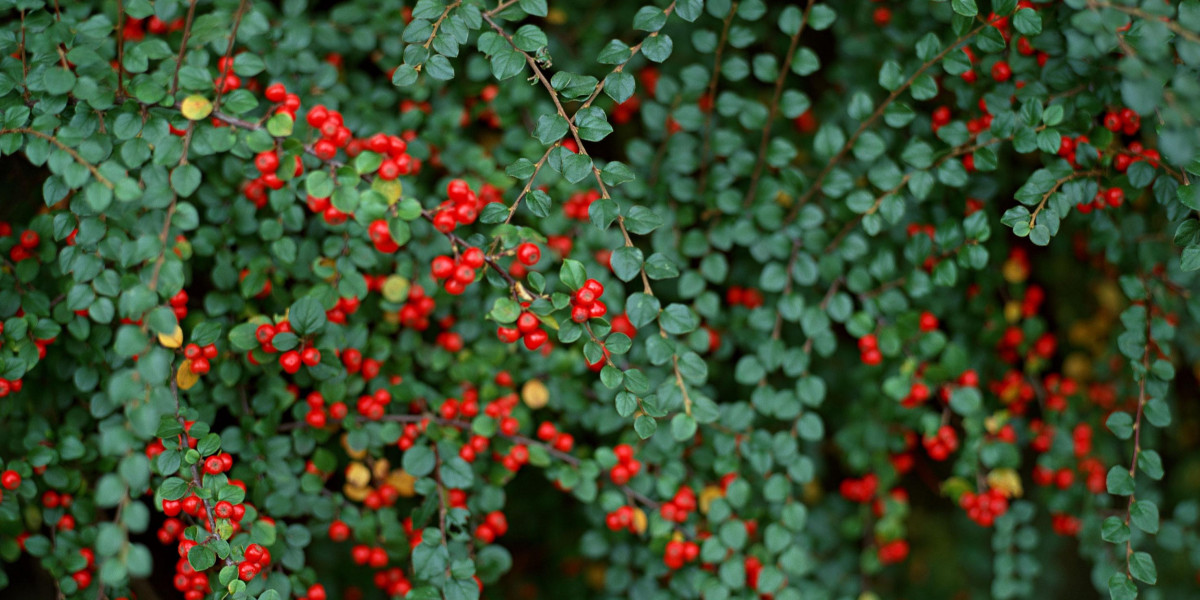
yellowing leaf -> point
(390, 189)
(355, 493)
(639, 520)
(184, 377)
(357, 474)
(403, 482)
(395, 288)
(707, 495)
(174, 340)
(380, 468)
(195, 107)
(1007, 481)
(534, 394)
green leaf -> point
(1119, 481)
(530, 38)
(307, 316)
(1144, 515)
(645, 426)
(1141, 566)
(185, 179)
(965, 8)
(626, 262)
(419, 460)
(201, 557)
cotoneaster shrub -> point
(723, 299)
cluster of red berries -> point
(493, 526)
(192, 584)
(461, 207)
(178, 304)
(267, 163)
(135, 30)
(27, 244)
(579, 203)
(861, 490)
(918, 393)
(318, 416)
(227, 81)
(1111, 197)
(417, 308)
(621, 519)
(199, 357)
(458, 274)
(1062, 478)
(381, 236)
(475, 446)
(1122, 121)
(528, 327)
(411, 432)
(218, 463)
(1067, 149)
(868, 349)
(586, 303)
(7, 386)
(363, 554)
(346, 305)
(984, 508)
(325, 208)
(627, 466)
(740, 296)
(559, 440)
(517, 457)
(680, 506)
(679, 553)
(1122, 160)
(393, 582)
(384, 496)
(1065, 525)
(468, 407)
(940, 445)
(254, 559)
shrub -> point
(720, 299)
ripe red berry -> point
(310, 357)
(200, 365)
(529, 254)
(290, 361)
(213, 465)
(29, 239)
(10, 480)
(1001, 71)
(267, 162)
(276, 93)
(928, 321)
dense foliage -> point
(710, 299)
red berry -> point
(529, 254)
(310, 357)
(276, 93)
(290, 361)
(1001, 71)
(10, 480)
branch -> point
(760, 163)
(862, 128)
(65, 148)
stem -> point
(711, 94)
(187, 33)
(862, 128)
(65, 148)
(760, 163)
